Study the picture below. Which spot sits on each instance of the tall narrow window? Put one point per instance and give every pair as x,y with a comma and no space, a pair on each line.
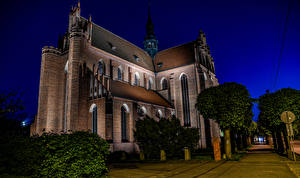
136,79
150,82
120,76
164,84
101,68
100,90
95,87
185,100
202,81
94,119
91,85
123,124
66,97
149,85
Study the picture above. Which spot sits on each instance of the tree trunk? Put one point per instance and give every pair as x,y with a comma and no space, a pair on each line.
249,140
245,142
241,145
279,142
227,143
275,141
233,142
287,145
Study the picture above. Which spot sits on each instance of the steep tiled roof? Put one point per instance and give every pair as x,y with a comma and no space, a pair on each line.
111,43
125,90
174,57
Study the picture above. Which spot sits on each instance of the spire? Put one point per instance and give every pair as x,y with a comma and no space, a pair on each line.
149,26
150,42
90,18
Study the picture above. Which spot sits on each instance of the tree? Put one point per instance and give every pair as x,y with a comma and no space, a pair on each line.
11,113
271,105
230,105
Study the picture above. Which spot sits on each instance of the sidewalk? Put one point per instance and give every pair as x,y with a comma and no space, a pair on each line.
260,147
259,162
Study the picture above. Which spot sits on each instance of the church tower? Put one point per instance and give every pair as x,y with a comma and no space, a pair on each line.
150,41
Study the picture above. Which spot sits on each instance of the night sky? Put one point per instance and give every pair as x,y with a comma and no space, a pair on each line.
244,36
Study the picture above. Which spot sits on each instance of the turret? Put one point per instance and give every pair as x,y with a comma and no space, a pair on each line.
204,54
74,17
201,38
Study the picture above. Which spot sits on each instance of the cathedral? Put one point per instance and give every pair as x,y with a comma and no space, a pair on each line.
99,82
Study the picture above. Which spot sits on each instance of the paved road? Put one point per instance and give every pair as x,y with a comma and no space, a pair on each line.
254,164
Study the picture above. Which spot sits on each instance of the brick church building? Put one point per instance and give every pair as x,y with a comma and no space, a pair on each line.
97,81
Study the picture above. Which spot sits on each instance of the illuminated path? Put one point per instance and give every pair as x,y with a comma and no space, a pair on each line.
254,164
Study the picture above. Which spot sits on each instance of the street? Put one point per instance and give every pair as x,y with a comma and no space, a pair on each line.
256,163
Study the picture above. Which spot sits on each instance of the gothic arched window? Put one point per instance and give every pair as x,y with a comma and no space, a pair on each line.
202,81
159,114
136,79
66,95
94,119
120,73
164,84
95,87
123,124
185,100
150,81
91,85
101,68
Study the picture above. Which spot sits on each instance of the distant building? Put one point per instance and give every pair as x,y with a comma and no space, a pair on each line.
97,81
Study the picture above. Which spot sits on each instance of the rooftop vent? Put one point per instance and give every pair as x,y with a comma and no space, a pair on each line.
137,59
112,46
160,64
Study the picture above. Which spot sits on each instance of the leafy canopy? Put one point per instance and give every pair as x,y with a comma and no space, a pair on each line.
229,104
271,105
11,113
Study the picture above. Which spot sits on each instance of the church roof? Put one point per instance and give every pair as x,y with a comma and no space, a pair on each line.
111,43
166,59
125,90
175,57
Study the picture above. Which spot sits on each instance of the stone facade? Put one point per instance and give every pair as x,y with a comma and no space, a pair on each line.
96,81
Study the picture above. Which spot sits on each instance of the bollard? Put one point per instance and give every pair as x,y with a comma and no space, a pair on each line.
142,156
224,156
187,154
217,150
163,155
123,156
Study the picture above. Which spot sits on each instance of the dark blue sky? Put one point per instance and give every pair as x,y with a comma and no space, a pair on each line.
244,36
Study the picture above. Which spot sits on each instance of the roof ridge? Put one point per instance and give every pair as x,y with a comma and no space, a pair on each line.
120,38
176,46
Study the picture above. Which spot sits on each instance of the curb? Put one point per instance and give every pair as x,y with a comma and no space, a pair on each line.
294,168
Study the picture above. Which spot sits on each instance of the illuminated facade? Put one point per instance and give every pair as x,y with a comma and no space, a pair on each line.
96,81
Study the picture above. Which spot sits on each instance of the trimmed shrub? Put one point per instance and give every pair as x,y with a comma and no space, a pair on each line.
80,154
165,134
20,156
